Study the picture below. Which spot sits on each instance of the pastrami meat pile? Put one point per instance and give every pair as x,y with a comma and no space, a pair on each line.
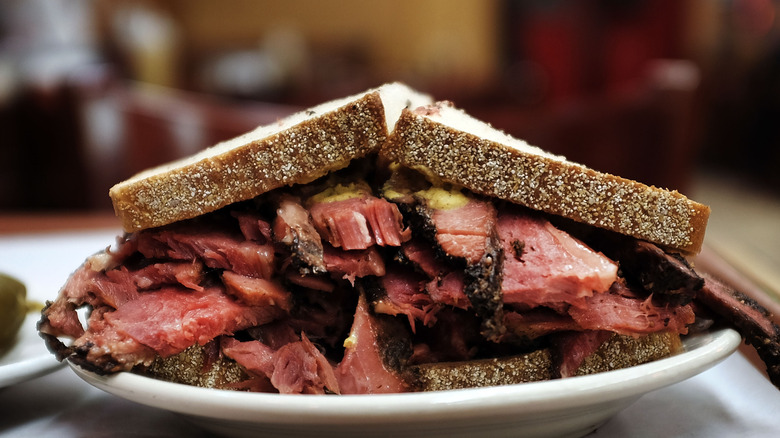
340,285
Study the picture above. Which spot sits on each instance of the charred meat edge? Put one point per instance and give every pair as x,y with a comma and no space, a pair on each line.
482,280
749,318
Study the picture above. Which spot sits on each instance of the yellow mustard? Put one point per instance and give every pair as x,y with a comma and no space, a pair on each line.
339,192
442,199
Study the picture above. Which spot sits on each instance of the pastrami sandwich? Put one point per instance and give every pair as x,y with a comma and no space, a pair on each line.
387,243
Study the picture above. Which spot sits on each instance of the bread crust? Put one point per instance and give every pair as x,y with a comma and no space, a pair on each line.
195,367
622,351
619,351
308,150
547,183
531,367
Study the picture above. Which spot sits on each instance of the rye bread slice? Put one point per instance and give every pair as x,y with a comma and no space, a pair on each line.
295,150
448,145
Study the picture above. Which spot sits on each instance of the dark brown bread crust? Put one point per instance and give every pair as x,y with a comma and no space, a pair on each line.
194,367
620,351
532,367
624,351
313,148
617,352
558,187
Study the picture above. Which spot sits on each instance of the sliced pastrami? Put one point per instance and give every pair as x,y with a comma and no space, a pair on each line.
449,289
275,334
666,276
215,247
59,318
446,283
374,355
463,229
104,344
96,288
253,226
544,266
400,292
300,368
454,337
170,320
256,357
293,228
103,349
353,264
630,316
154,276
422,256
90,285
294,368
618,310
531,324
754,322
359,222
113,288
256,291
466,232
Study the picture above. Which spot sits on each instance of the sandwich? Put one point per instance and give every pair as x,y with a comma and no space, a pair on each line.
383,243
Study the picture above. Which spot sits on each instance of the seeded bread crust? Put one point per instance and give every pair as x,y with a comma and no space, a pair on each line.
617,352
532,367
296,150
310,150
489,162
194,367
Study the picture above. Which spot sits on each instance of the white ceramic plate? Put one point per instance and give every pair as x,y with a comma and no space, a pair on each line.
570,407
28,358
42,262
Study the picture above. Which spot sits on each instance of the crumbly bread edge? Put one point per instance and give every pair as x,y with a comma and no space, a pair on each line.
500,166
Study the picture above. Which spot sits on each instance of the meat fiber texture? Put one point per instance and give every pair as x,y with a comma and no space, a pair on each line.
339,294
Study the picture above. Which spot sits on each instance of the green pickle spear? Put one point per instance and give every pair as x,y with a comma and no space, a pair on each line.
13,309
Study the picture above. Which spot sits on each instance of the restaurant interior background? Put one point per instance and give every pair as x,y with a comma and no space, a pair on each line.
683,94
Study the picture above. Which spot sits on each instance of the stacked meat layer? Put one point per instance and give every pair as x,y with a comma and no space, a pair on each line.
334,287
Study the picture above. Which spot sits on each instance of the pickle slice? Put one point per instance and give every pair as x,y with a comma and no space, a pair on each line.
13,309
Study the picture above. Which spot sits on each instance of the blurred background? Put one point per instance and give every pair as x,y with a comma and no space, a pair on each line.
683,94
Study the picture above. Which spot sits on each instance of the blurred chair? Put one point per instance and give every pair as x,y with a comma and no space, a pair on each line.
41,166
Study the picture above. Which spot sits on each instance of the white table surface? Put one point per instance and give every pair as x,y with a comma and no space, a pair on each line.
731,399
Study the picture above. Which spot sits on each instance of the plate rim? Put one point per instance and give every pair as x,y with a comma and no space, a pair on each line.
534,397
27,368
